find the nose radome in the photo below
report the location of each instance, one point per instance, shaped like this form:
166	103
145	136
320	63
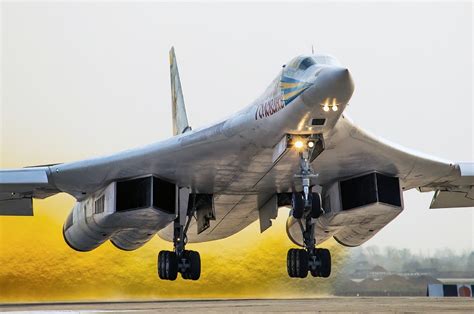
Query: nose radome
333	75
330	82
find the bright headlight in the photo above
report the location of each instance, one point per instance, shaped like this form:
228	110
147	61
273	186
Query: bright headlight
299	144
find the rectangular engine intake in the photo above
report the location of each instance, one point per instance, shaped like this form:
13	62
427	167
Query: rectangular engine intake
359	207
368	189
145	192
128	212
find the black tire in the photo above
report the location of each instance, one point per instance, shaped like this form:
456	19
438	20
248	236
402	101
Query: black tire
297	263
302	263
172	266
297	203
161	274
325	256
167	265
316	209
194	270
290	261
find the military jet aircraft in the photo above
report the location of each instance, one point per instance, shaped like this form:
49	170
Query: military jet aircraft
292	147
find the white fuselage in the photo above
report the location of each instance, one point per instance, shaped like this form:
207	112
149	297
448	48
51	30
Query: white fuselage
233	159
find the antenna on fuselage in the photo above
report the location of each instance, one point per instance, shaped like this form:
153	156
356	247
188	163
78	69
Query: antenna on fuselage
312	49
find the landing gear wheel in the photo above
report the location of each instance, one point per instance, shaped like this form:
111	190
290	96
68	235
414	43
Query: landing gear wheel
167	265
316	209
193	271
297	263
185	262
316	271
325	268
290	261
297	203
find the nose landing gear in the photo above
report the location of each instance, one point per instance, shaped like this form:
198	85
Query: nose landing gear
306	208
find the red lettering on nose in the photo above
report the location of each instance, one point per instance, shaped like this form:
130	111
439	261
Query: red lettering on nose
269	107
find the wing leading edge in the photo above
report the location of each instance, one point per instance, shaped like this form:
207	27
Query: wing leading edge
453	183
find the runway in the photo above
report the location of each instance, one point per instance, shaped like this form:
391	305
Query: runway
326	304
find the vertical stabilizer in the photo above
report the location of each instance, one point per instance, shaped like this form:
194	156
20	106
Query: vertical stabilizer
180	120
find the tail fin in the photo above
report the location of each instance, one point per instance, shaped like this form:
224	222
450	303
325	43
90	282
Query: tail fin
180	120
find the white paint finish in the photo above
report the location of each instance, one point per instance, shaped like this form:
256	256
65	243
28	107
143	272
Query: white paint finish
236	157
467	169
267	212
33	176
280	149
403	72
446	199
180	119
128	230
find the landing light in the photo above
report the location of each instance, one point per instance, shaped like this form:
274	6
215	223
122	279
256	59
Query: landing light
334	104
310	144
299	144
328	105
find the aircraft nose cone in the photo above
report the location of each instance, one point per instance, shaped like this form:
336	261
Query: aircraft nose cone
333	75
330	82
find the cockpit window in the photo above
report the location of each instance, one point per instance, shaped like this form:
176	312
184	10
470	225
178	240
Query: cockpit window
306	63
327	59
301	63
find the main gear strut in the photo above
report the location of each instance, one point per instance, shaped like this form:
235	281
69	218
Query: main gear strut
306	208
183	261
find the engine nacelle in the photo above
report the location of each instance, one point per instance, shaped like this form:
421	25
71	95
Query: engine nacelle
355	209
128	212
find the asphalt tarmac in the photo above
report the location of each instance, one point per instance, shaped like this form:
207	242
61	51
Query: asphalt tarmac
329	304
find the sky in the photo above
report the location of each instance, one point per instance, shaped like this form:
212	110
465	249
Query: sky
86	79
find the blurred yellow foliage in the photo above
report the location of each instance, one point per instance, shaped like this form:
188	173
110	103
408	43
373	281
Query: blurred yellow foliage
37	265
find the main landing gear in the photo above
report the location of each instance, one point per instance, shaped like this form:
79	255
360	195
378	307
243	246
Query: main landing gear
183	261
306	208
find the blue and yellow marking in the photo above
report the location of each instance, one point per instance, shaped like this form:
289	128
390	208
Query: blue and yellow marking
292	88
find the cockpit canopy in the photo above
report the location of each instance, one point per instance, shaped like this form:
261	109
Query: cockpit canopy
304	62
